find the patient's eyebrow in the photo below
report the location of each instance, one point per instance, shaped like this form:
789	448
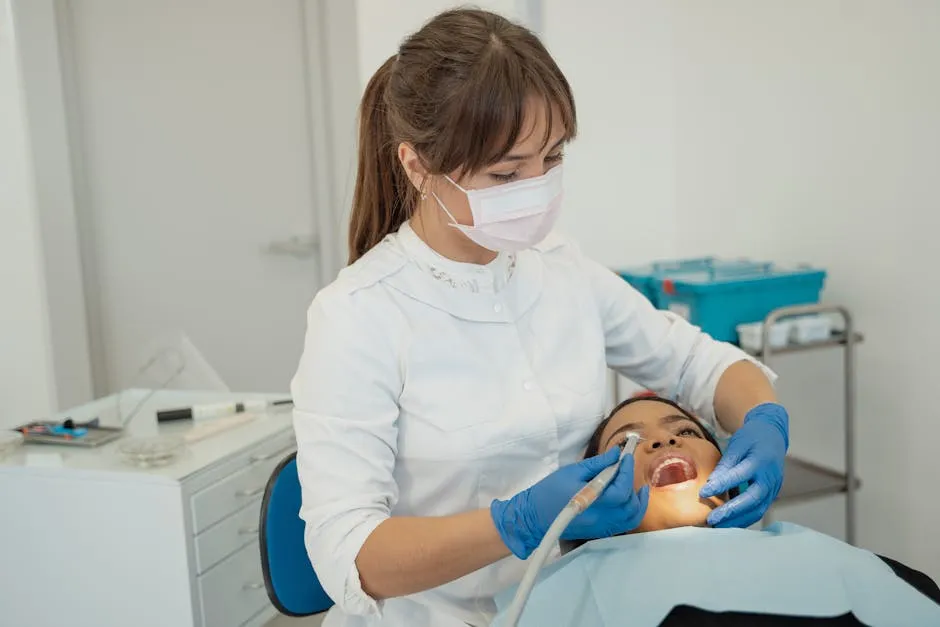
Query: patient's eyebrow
668	420
639	426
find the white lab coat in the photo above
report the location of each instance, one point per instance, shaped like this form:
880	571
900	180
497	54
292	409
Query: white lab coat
429	387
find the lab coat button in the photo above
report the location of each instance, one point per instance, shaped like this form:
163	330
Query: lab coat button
527	386
497	308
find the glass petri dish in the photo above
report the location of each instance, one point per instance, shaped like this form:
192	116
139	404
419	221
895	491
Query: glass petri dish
149	452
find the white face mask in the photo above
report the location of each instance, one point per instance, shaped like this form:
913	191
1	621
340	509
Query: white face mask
512	216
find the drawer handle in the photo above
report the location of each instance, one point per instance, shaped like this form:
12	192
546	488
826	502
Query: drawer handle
261	458
249	531
252	492
257	459
253	586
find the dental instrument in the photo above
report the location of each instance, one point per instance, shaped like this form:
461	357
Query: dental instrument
578	503
216	410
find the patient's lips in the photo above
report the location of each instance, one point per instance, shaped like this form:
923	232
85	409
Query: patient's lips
671	469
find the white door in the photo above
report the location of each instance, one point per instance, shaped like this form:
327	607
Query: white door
197	153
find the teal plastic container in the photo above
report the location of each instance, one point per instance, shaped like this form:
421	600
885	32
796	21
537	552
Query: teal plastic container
642	277
718	300
646	279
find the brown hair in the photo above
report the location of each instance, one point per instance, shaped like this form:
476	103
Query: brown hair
456	92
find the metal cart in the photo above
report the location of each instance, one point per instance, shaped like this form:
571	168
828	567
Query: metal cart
805	480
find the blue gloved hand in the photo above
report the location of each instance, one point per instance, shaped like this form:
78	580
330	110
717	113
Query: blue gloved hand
523	520
755	455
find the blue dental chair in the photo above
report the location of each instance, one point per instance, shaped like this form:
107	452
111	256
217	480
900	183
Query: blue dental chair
289	578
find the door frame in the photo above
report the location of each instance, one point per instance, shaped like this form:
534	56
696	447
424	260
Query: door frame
51	85
40	47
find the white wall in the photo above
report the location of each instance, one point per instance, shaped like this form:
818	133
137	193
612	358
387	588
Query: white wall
811	132
26	379
792	132
619	190
341	50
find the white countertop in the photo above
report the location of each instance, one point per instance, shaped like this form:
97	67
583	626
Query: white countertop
106	460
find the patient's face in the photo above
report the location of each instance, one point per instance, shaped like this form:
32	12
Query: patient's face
675	460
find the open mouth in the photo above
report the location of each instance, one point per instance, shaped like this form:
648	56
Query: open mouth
671	469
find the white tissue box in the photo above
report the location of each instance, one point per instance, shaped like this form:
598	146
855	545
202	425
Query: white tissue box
750	335
811	329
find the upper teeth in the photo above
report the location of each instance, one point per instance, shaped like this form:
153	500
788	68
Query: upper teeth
686	466
673	460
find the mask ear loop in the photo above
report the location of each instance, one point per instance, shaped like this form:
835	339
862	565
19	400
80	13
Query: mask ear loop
455	184
453	220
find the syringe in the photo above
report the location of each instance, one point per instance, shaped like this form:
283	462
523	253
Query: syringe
578	503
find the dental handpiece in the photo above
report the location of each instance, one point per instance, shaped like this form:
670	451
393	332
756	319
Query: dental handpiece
589	493
578	503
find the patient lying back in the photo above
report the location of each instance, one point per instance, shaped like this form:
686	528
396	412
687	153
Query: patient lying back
675	459
674	571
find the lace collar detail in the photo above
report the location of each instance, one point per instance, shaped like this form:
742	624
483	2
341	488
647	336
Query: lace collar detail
469	277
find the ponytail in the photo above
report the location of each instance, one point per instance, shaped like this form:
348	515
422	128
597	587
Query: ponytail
384	196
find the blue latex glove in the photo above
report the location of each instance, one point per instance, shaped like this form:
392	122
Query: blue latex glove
754	455
523	520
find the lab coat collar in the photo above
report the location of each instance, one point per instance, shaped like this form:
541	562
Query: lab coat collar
554	241
491	277
508	304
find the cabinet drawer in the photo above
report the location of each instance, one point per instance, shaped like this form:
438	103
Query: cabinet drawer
232	533
233	591
264	616
245	484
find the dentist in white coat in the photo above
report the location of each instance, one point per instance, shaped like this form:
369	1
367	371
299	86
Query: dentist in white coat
453	372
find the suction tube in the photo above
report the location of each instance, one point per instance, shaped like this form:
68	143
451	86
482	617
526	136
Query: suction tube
579	502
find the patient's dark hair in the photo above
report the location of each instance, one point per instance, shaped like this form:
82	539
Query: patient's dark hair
594	444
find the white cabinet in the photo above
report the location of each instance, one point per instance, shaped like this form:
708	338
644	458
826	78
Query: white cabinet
224	552
233	592
221	540
88	540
